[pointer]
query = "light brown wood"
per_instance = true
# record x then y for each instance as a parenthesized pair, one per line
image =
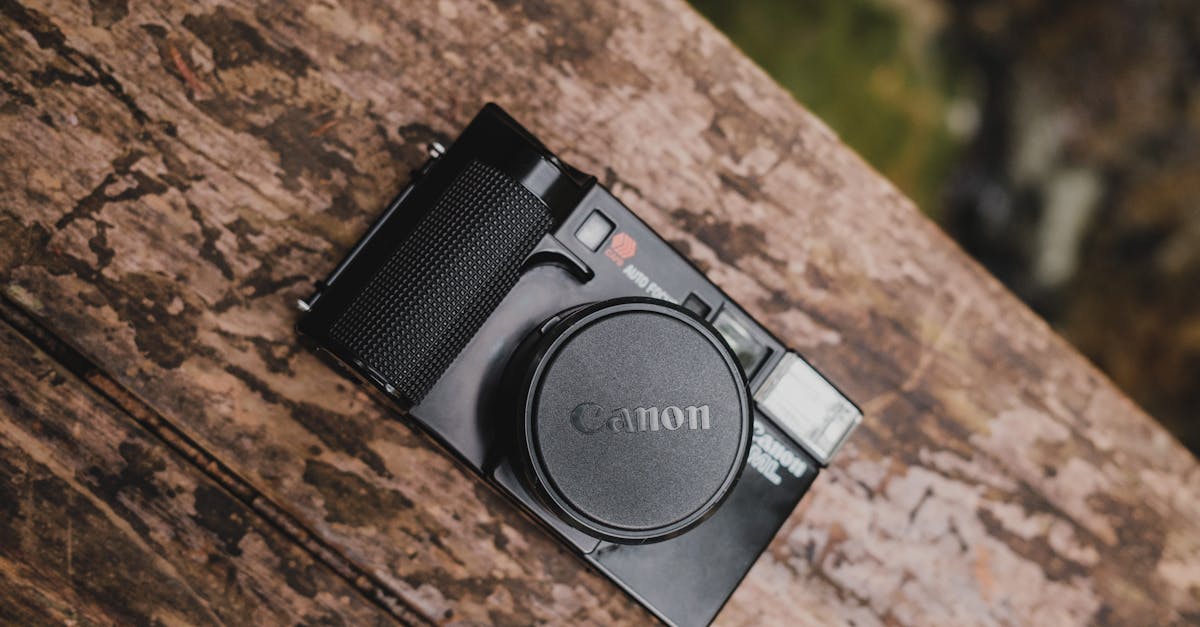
(101, 524)
(175, 175)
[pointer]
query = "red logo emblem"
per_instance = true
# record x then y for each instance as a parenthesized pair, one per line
(621, 248)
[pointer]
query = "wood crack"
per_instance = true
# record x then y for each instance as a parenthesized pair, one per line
(49, 36)
(277, 517)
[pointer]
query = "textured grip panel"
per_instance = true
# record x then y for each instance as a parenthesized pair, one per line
(441, 283)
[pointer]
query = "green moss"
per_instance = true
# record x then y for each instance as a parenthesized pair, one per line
(867, 69)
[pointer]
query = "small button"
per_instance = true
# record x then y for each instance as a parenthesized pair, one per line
(594, 230)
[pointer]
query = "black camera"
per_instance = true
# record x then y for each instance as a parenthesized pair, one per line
(555, 344)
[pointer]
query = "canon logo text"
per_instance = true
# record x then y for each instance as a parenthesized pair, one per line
(589, 418)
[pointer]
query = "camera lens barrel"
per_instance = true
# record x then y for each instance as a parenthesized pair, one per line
(635, 418)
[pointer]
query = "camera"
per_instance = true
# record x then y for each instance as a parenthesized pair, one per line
(552, 342)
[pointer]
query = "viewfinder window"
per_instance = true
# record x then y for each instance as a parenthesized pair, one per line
(594, 230)
(749, 351)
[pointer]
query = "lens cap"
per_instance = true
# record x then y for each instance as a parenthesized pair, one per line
(636, 418)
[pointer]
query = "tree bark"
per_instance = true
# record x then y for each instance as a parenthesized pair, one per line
(176, 174)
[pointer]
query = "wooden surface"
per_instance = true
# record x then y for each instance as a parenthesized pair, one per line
(100, 525)
(174, 175)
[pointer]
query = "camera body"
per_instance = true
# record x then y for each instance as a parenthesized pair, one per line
(552, 342)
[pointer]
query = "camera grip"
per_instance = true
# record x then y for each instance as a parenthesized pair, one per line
(442, 281)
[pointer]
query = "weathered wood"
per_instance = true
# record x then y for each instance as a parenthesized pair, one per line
(101, 524)
(174, 175)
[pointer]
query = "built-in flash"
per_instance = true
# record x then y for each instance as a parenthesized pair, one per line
(801, 401)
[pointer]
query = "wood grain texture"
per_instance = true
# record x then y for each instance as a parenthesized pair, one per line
(101, 524)
(175, 175)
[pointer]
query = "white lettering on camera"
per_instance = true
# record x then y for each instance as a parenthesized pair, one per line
(652, 289)
(768, 455)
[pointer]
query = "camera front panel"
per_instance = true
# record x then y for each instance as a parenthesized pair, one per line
(493, 243)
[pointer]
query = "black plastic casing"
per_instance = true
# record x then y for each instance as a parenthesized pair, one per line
(471, 410)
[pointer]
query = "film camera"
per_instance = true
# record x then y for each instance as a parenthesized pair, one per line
(550, 340)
